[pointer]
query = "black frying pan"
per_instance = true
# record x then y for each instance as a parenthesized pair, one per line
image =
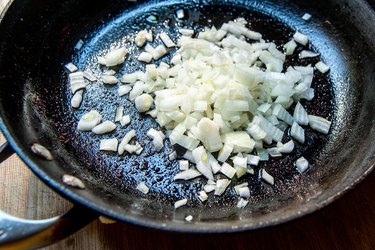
(37, 39)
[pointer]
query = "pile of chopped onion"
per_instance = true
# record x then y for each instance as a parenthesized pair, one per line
(224, 97)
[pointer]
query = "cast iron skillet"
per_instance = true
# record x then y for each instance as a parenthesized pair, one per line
(37, 38)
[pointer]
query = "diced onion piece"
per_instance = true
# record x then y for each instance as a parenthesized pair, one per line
(253, 160)
(119, 113)
(187, 174)
(287, 147)
(237, 187)
(125, 120)
(138, 148)
(209, 188)
(180, 203)
(187, 142)
(143, 188)
(202, 196)
(307, 54)
(149, 36)
(123, 90)
(108, 145)
(89, 121)
(290, 47)
(240, 161)
(256, 132)
(228, 170)
(215, 166)
(225, 152)
(322, 67)
(79, 45)
(108, 79)
(77, 99)
(110, 72)
(306, 16)
(184, 164)
(145, 57)
(279, 111)
(137, 90)
(89, 75)
(77, 81)
(300, 115)
(319, 124)
(140, 38)
(274, 152)
(242, 203)
(105, 127)
(186, 32)
(172, 156)
(244, 192)
(132, 77)
(240, 140)
(143, 102)
(114, 57)
(301, 38)
(221, 186)
(302, 164)
(267, 177)
(263, 155)
(127, 138)
(167, 40)
(71, 67)
(159, 52)
(189, 218)
(297, 132)
(209, 135)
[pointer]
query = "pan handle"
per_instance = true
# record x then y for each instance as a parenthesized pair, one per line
(16, 233)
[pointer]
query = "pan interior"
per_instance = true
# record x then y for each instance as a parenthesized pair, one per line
(111, 180)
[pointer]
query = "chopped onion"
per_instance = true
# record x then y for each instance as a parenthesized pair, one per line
(300, 115)
(77, 99)
(71, 67)
(145, 57)
(319, 124)
(187, 174)
(184, 164)
(125, 120)
(221, 186)
(290, 47)
(167, 40)
(267, 177)
(105, 127)
(143, 102)
(287, 147)
(279, 111)
(237, 187)
(228, 170)
(143, 188)
(209, 188)
(242, 203)
(108, 79)
(306, 16)
(140, 38)
(79, 45)
(302, 164)
(322, 67)
(202, 196)
(89, 120)
(172, 156)
(108, 144)
(244, 192)
(274, 152)
(123, 90)
(308, 54)
(119, 113)
(159, 52)
(180, 203)
(77, 81)
(189, 218)
(297, 132)
(127, 138)
(114, 57)
(186, 32)
(225, 152)
(301, 38)
(253, 160)
(89, 75)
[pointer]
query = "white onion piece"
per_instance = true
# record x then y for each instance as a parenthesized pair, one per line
(187, 174)
(77, 81)
(183, 164)
(110, 72)
(300, 115)
(244, 192)
(150, 36)
(108, 145)
(143, 188)
(306, 16)
(104, 127)
(77, 99)
(189, 218)
(123, 90)
(253, 160)
(186, 32)
(287, 147)
(301, 38)
(145, 57)
(290, 47)
(172, 156)
(138, 148)
(267, 177)
(279, 111)
(274, 152)
(302, 164)
(202, 196)
(240, 161)
(307, 54)
(108, 79)
(240, 140)
(127, 138)
(297, 132)
(214, 164)
(119, 113)
(209, 188)
(166, 40)
(137, 90)
(89, 75)
(187, 142)
(114, 57)
(180, 203)
(228, 170)
(125, 120)
(225, 152)
(319, 124)
(242, 203)
(140, 38)
(89, 120)
(205, 169)
(209, 135)
(322, 67)
(71, 67)
(159, 52)
(143, 102)
(221, 186)
(237, 187)
(79, 44)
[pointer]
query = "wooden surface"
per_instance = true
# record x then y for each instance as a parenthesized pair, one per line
(349, 223)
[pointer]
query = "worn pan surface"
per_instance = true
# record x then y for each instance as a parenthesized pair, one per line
(37, 38)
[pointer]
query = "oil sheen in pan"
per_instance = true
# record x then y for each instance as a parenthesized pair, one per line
(155, 169)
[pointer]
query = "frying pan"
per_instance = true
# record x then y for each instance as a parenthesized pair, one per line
(37, 38)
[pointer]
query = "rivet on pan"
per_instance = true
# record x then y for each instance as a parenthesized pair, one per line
(73, 181)
(41, 151)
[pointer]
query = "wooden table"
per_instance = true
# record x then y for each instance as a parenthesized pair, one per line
(349, 223)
